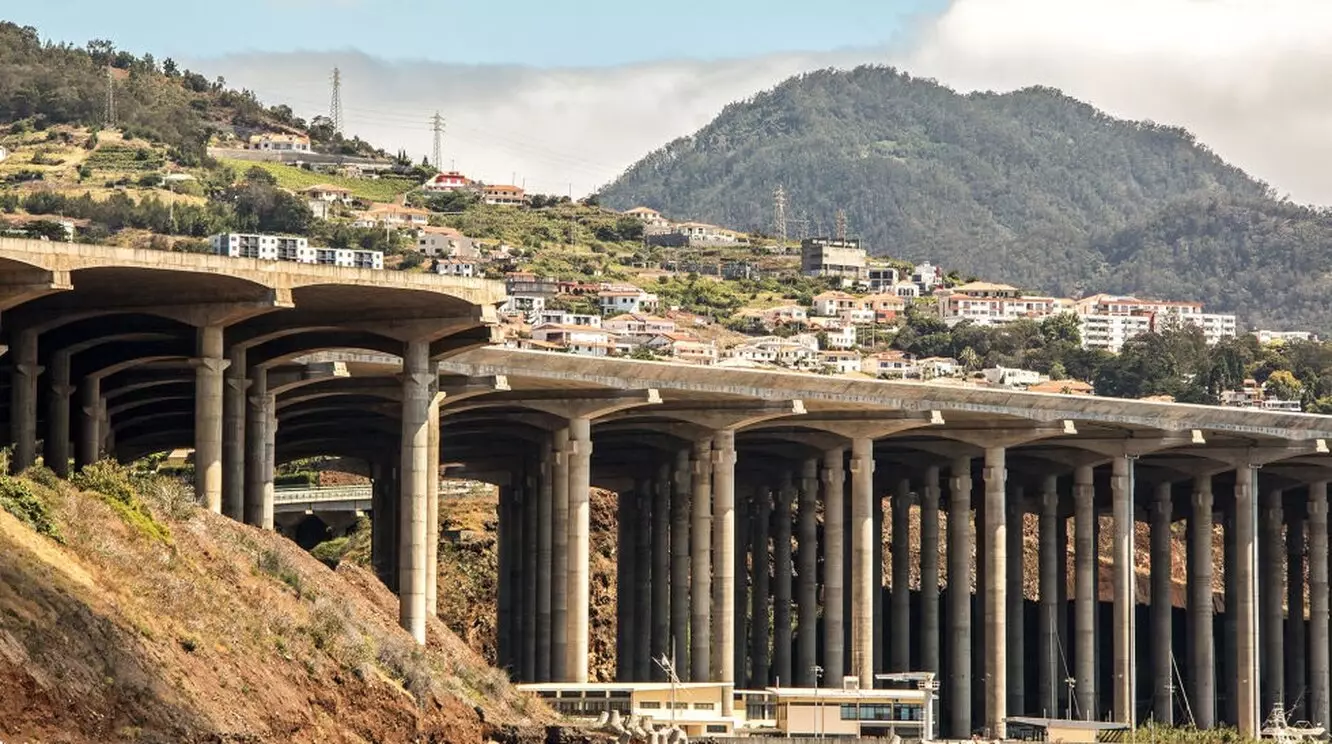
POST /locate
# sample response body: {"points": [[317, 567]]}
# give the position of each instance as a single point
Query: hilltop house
{"points": [[507, 196], [446, 242], [279, 142], [447, 182], [638, 324], [456, 267], [651, 218], [684, 347], [584, 340], [626, 300], [392, 215], [328, 193]]}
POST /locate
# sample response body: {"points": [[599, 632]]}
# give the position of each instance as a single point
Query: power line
{"points": [[110, 98], [779, 213], [841, 224], [335, 105], [437, 123]]}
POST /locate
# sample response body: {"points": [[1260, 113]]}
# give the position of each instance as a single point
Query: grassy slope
{"points": [[294, 179], [218, 632]]}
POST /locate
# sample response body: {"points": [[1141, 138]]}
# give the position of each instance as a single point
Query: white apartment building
{"points": [[626, 300], [524, 304], [831, 304], [286, 248], [1109, 332], [1157, 314], [841, 338], [1283, 337], [456, 267], [638, 324], [1013, 378], [446, 242], [927, 276], [881, 278], [565, 318]]}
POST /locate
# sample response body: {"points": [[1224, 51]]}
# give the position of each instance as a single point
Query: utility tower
{"points": [[841, 224], [110, 98], [437, 124], [335, 104], [779, 214]]}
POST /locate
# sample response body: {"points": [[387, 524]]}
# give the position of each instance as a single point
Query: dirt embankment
{"points": [[137, 617]]}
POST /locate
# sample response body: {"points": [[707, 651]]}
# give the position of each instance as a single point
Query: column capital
{"points": [[216, 365], [1201, 499], [64, 390], [29, 370], [724, 457]]}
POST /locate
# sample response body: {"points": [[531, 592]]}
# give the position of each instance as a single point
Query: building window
{"points": [[705, 706], [716, 728], [650, 705]]}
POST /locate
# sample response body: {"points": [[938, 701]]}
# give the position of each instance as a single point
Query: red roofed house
{"points": [[447, 182]]}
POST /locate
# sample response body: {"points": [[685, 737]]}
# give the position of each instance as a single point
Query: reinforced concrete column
{"points": [[807, 587], [899, 656], [996, 593], [545, 536], [233, 435], [679, 646], [270, 463], [1248, 717], [625, 585], [1296, 689], [660, 588], [579, 549], [57, 418], [1320, 702], [1271, 596], [1048, 654], [834, 588], [642, 643], [1202, 652], [432, 518], [759, 618], [781, 591], [1016, 610], [1162, 608], [862, 560], [928, 633], [559, 575], [413, 532], [880, 550], [256, 439], [958, 681], [744, 531], [505, 656], [1121, 494], [23, 401], [88, 447], [723, 561], [1084, 592], [1226, 673], [700, 548], [209, 366]]}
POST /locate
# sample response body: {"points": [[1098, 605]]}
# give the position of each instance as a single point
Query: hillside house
{"points": [[927, 276], [906, 290], [582, 340], [880, 278], [523, 304], [627, 300], [443, 183], [456, 267], [1010, 377], [684, 348], [4, 154], [651, 218], [895, 364], [844, 362], [392, 215], [832, 257], [639, 324], [328, 193], [784, 314], [525, 282], [566, 318], [933, 367], [831, 304], [446, 242], [279, 143], [886, 306], [841, 338], [702, 234], [504, 196]]}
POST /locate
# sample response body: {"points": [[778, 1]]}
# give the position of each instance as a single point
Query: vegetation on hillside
{"points": [[1030, 187]]}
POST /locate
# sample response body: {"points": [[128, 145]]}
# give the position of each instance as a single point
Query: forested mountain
{"points": [[1030, 187]]}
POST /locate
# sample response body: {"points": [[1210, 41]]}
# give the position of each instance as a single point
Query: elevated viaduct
{"points": [[752, 504]]}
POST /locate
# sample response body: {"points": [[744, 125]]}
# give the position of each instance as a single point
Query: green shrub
{"points": [[271, 563], [408, 665], [330, 552], [17, 498], [113, 482]]}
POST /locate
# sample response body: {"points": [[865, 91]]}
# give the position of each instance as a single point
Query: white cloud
{"points": [[1251, 79]]}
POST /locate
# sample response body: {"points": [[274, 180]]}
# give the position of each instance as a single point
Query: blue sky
{"points": [[543, 33]]}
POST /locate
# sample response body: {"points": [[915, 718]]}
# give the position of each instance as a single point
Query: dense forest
{"points": [[1030, 187], [43, 83]]}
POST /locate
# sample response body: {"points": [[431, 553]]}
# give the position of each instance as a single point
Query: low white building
{"points": [[4, 154], [1283, 337], [524, 304], [831, 304], [1014, 378], [841, 338], [639, 324], [566, 318], [328, 193], [447, 242], [280, 142], [880, 279], [845, 362], [456, 267], [627, 300], [582, 340]]}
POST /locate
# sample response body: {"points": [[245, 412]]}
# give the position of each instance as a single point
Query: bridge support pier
{"points": [[1015, 610], [680, 513], [413, 532], [834, 551], [660, 587], [959, 598], [1084, 586], [545, 512], [1162, 607], [1271, 596], [88, 449], [1296, 688], [900, 599], [1200, 617], [1320, 704], [260, 433], [782, 640], [580, 517], [23, 401], [863, 541], [1047, 656], [1248, 717], [209, 366], [559, 582], [57, 424], [432, 506], [928, 634], [234, 411], [700, 587], [807, 588], [996, 599], [723, 560]]}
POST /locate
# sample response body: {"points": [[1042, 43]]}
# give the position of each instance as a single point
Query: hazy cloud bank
{"points": [[1252, 80]]}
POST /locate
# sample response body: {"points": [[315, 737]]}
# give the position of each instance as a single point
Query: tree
{"points": [[1282, 385], [1062, 328], [169, 67]]}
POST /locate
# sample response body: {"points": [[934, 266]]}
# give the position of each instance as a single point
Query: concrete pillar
{"points": [[807, 589], [559, 576], [700, 584], [642, 643], [579, 549], [759, 617], [256, 438], [505, 655], [1121, 491], [1271, 596], [233, 435], [1202, 659], [88, 447], [660, 588], [996, 593], [545, 537], [1296, 690], [23, 401], [209, 365], [680, 563], [928, 633], [862, 560], [57, 417], [781, 590], [900, 621], [1320, 703], [723, 560], [1226, 673], [1162, 607], [1063, 602], [1047, 656], [1016, 612], [1249, 719], [744, 531], [417, 396], [880, 549], [384, 527], [958, 681], [834, 534], [1084, 597], [432, 518], [529, 553], [625, 587], [270, 465]]}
